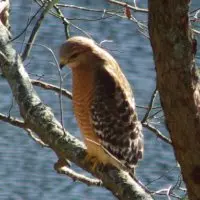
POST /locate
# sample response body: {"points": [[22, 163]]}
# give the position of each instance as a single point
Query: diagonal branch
{"points": [[61, 168], [48, 86], [20, 124], [150, 106], [156, 132], [12, 121]]}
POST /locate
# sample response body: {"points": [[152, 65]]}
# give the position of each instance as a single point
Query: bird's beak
{"points": [[61, 65]]}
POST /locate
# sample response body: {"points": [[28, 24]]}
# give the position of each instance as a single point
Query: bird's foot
{"points": [[94, 162]]}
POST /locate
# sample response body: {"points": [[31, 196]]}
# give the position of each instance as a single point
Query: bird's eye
{"points": [[73, 56]]}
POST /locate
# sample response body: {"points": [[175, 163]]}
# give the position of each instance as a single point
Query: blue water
{"points": [[26, 170]]}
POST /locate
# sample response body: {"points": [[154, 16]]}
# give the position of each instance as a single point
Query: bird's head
{"points": [[74, 51]]}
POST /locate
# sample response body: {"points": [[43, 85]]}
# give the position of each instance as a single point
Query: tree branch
{"points": [[61, 168], [39, 119], [136, 9], [46, 7], [150, 106], [48, 86], [13, 121], [156, 132], [20, 124]]}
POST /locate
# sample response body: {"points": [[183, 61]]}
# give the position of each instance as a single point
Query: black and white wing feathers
{"points": [[114, 118]]}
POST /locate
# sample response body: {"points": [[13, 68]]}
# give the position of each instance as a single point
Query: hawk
{"points": [[103, 104]]}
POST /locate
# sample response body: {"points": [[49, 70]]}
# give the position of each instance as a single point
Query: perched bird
{"points": [[103, 104]]}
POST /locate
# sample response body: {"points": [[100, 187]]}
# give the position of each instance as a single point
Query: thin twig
{"points": [[161, 176], [169, 192], [153, 96], [136, 9], [195, 10], [27, 25], [141, 27], [20, 124], [35, 138], [35, 30], [33, 35], [66, 22], [54, 88], [156, 132], [85, 9], [92, 19], [63, 169], [103, 11], [81, 30], [196, 32], [146, 107], [178, 182], [82, 8], [61, 80], [154, 114], [13, 121], [11, 107]]}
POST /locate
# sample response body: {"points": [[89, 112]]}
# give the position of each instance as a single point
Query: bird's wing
{"points": [[114, 118]]}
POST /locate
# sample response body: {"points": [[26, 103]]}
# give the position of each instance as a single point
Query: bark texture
{"points": [[178, 84], [40, 119]]}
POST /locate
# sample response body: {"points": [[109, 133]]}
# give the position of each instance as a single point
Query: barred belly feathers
{"points": [[103, 104]]}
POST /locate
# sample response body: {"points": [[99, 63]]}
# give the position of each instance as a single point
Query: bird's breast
{"points": [[83, 92]]}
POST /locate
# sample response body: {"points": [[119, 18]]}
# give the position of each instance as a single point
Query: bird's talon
{"points": [[93, 161]]}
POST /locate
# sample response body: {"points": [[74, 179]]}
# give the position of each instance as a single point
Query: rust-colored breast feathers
{"points": [[83, 89]]}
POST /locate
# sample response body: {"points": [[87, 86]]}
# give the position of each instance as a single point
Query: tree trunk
{"points": [[174, 50]]}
